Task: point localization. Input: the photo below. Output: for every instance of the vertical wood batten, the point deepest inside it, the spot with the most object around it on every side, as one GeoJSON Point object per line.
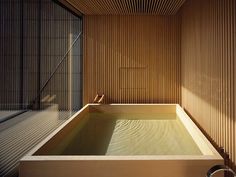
{"type": "Point", "coordinates": [208, 76]}
{"type": "Point", "coordinates": [10, 54]}
{"type": "Point", "coordinates": [132, 59]}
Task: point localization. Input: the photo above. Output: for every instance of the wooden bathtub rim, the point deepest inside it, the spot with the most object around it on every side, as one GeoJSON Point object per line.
{"type": "Point", "coordinates": [214, 155]}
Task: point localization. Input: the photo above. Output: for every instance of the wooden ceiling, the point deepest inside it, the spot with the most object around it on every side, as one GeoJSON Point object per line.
{"type": "Point", "coordinates": [119, 7]}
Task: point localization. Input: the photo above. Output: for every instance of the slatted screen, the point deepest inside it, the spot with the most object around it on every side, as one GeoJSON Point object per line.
{"type": "Point", "coordinates": [35, 36]}
{"type": "Point", "coordinates": [59, 29]}
{"type": "Point", "coordinates": [10, 54]}
{"type": "Point", "coordinates": [132, 59]}
{"type": "Point", "coordinates": [208, 68]}
{"type": "Point", "coordinates": [102, 7]}
{"type": "Point", "coordinates": [31, 50]}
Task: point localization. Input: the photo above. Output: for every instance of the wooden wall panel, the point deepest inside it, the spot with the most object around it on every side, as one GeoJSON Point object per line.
{"type": "Point", "coordinates": [118, 48]}
{"type": "Point", "coordinates": [118, 7]}
{"type": "Point", "coordinates": [208, 68]}
{"type": "Point", "coordinates": [10, 54]}
{"type": "Point", "coordinates": [31, 57]}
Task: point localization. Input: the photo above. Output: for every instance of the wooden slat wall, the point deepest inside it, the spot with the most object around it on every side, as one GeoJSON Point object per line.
{"type": "Point", "coordinates": [208, 68]}
{"type": "Point", "coordinates": [132, 59]}
{"type": "Point", "coordinates": [102, 7]}
{"type": "Point", "coordinates": [30, 50]}
{"type": "Point", "coordinates": [10, 54]}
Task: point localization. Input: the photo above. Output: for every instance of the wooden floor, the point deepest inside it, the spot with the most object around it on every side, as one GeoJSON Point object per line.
{"type": "Point", "coordinates": [22, 133]}
{"type": "Point", "coordinates": [6, 113]}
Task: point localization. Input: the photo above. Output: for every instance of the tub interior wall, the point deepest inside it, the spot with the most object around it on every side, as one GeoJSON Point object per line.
{"type": "Point", "coordinates": [127, 130]}
{"type": "Point", "coordinates": [57, 136]}
{"type": "Point", "coordinates": [142, 108]}
{"type": "Point", "coordinates": [106, 126]}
